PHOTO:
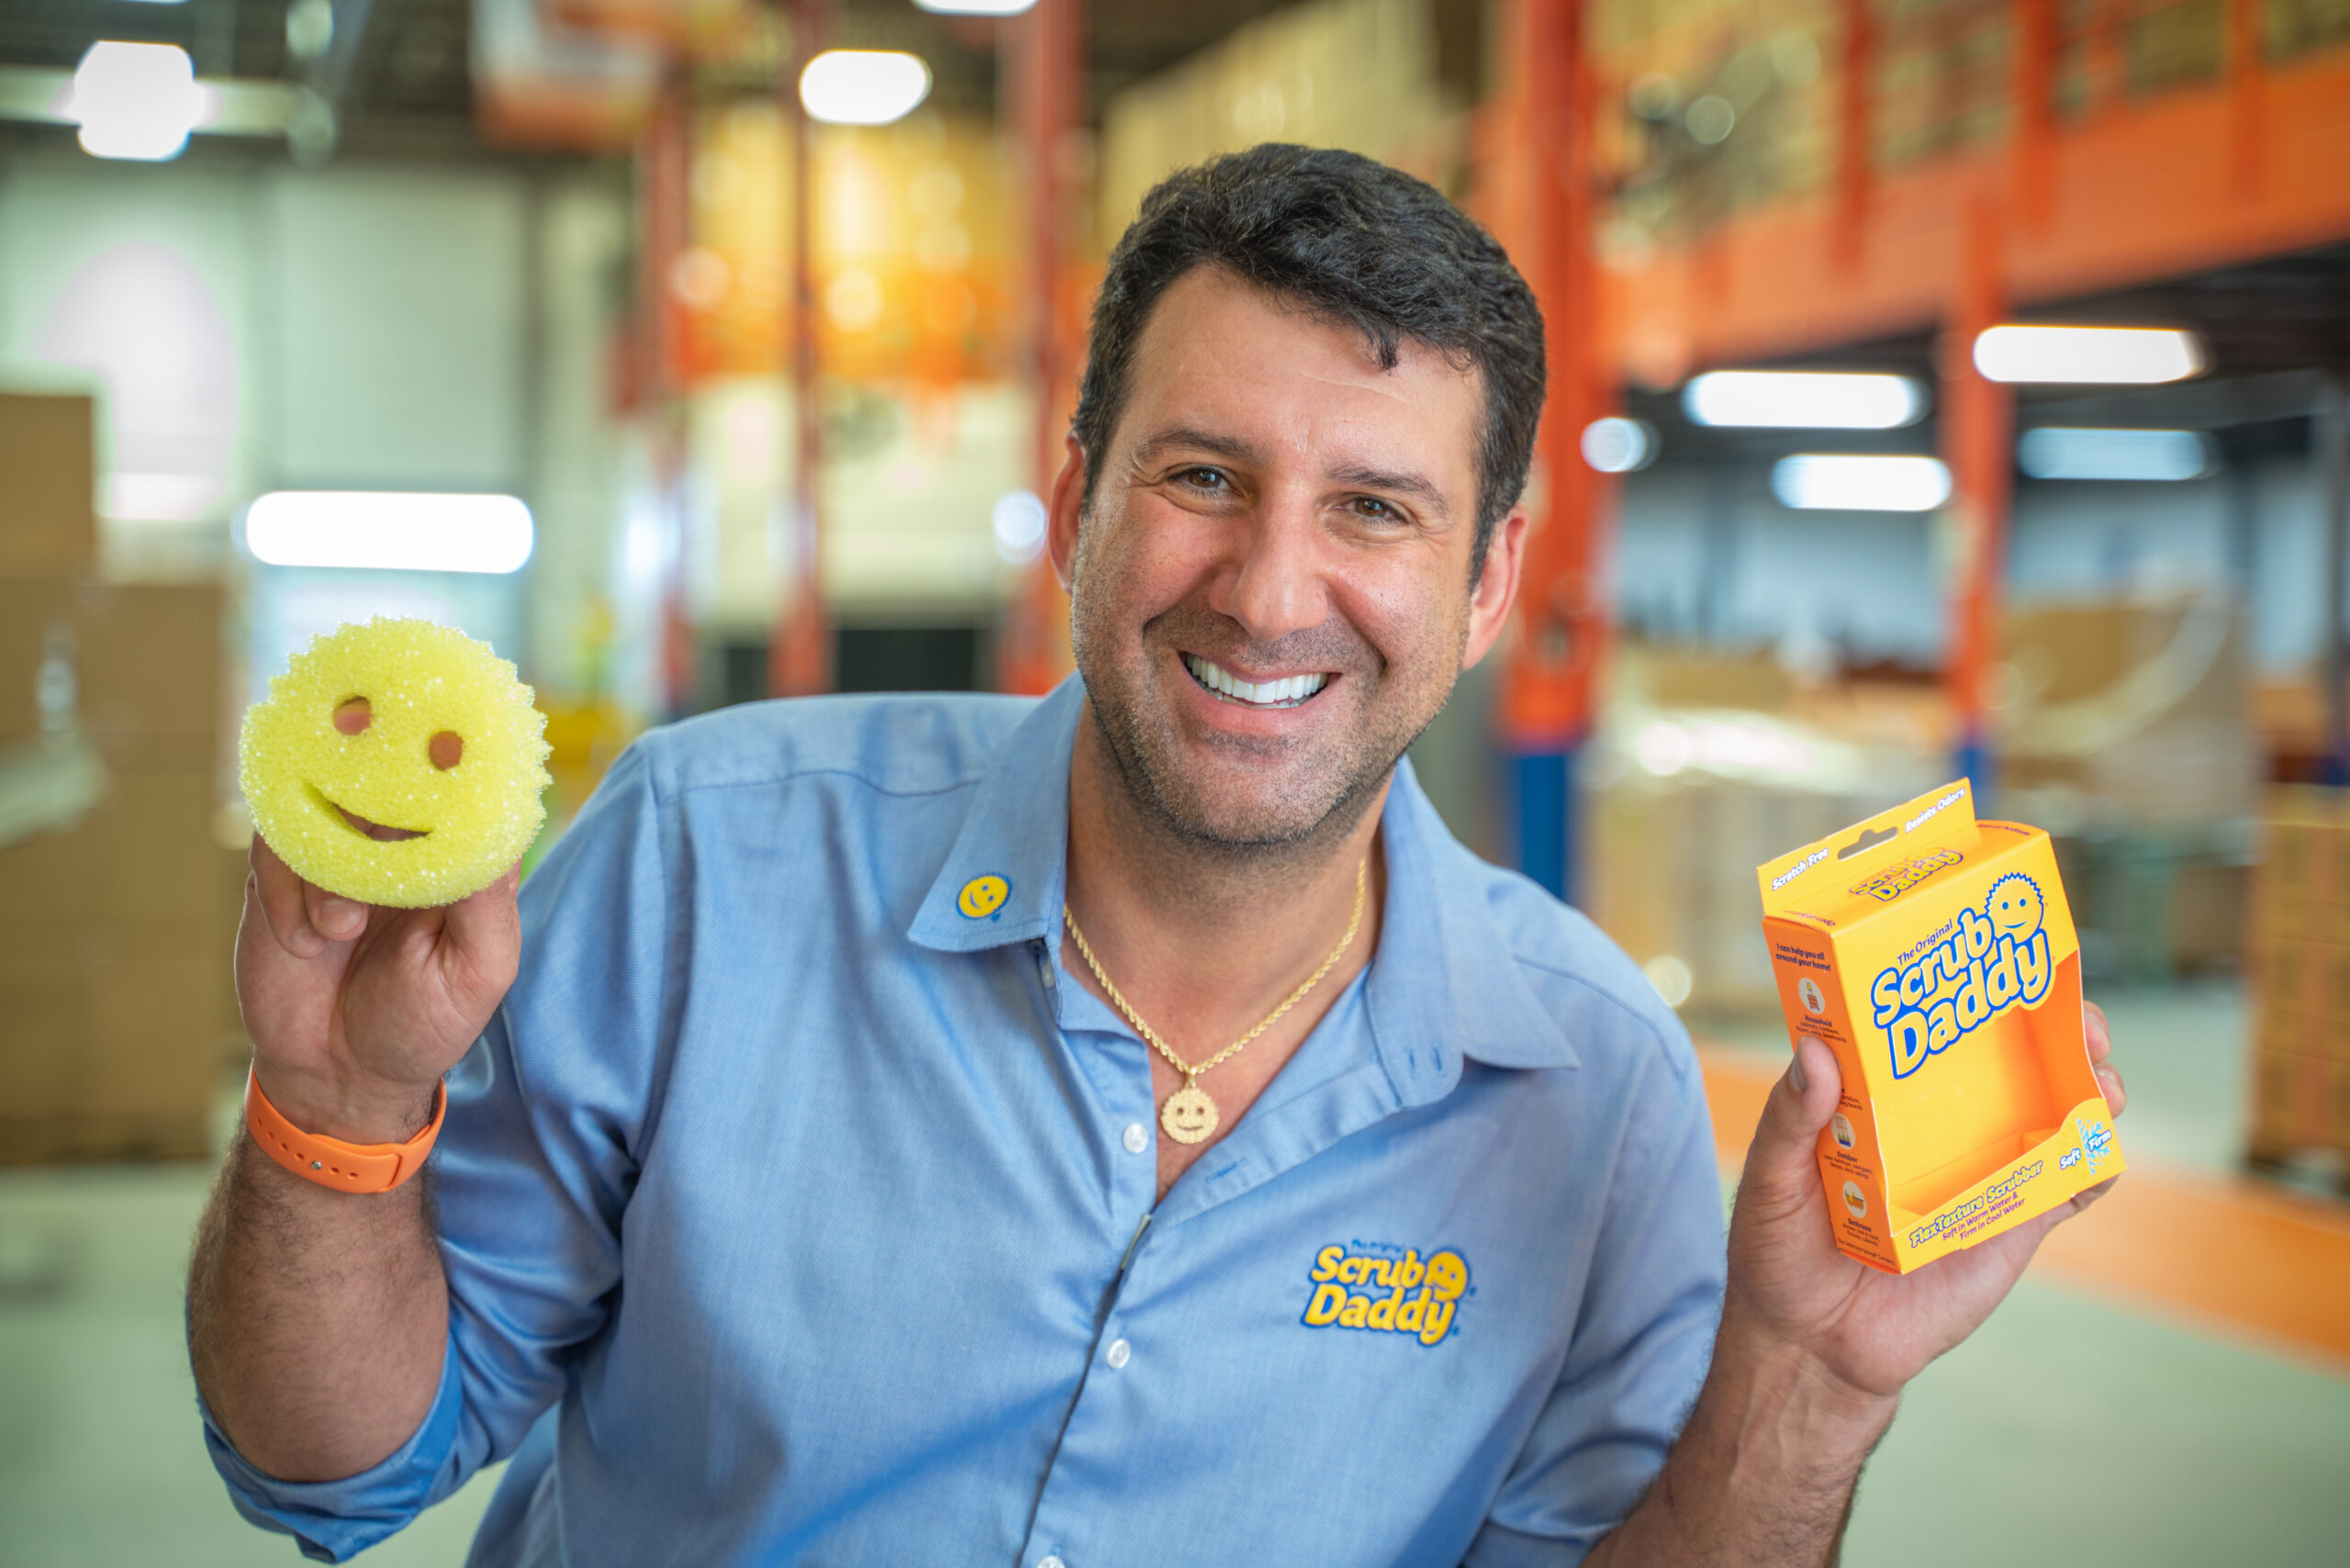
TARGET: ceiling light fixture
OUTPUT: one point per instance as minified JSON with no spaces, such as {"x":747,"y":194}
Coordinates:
{"x":137,"y":101}
{"x":975,"y":7}
{"x":389,"y":530}
{"x":1848,"y":482}
{"x":1019,"y":520}
{"x":1617,"y":445}
{"x":2060,"y":452}
{"x":1804,"y":400}
{"x":2120,"y":356}
{"x":863,"y":86}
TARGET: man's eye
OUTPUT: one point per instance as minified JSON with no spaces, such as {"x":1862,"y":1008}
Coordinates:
{"x":1203,"y":478}
{"x":1372,"y":506}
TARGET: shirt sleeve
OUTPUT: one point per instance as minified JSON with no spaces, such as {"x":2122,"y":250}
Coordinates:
{"x":1643,"y":1341}
{"x":532,"y":1175}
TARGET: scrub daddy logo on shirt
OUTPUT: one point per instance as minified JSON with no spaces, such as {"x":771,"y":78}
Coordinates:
{"x":1387,"y":1295}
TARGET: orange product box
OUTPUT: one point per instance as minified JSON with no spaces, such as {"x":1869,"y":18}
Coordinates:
{"x":1936,"y":957}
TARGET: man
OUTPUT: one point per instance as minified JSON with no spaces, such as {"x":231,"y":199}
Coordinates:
{"x":1120,"y":1129}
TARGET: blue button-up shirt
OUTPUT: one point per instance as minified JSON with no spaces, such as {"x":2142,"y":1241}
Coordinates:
{"x":819,"y":1201}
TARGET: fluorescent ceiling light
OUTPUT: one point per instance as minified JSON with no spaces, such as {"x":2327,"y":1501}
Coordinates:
{"x":1614,"y":446}
{"x":1836,"y":400}
{"x":2057,"y":451}
{"x":1019,"y":522}
{"x":135,"y":100}
{"x":863,"y":86}
{"x":389,"y":530}
{"x":976,"y":7}
{"x":1843,"y":482}
{"x":2133,"y":356}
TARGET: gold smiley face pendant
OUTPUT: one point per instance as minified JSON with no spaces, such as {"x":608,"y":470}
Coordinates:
{"x":397,"y":763}
{"x":1189,"y":1116}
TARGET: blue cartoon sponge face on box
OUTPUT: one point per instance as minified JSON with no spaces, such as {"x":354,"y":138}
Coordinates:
{"x":397,"y":763}
{"x":2016,"y":907}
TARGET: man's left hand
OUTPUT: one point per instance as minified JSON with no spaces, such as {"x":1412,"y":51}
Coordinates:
{"x":1789,"y":1285}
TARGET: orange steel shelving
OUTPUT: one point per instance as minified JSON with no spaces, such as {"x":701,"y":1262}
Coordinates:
{"x":2114,"y":191}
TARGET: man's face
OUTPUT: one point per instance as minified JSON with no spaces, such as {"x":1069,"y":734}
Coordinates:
{"x":1272,"y":590}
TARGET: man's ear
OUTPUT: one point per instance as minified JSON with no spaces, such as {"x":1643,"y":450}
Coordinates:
{"x":1062,"y":518}
{"x":1496,"y":587}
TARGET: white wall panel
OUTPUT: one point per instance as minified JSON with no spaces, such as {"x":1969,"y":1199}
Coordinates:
{"x":401,"y":329}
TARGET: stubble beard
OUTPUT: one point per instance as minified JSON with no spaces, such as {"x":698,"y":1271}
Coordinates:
{"x":1321,"y":801}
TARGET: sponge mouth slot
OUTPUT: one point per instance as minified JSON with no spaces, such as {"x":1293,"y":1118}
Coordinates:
{"x":381,"y":833}
{"x":1997,"y":1094}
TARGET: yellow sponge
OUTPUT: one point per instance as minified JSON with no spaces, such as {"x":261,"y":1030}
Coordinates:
{"x":396,"y":763}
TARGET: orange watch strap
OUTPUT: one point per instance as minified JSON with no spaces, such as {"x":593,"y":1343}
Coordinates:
{"x":330,"y":1161}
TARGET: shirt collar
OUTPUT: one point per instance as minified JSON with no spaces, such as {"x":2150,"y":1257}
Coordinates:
{"x":1017,"y":834}
{"x":1445,"y":983}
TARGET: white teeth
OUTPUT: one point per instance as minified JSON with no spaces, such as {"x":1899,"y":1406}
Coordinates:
{"x":1286,"y":692}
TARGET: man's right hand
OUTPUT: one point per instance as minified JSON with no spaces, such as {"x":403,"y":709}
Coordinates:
{"x":357,"y":1010}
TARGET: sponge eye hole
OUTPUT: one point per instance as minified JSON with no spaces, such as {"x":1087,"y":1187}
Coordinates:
{"x":447,"y":748}
{"x":353,"y":715}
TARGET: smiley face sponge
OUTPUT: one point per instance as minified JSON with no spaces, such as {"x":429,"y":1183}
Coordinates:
{"x":396,"y":763}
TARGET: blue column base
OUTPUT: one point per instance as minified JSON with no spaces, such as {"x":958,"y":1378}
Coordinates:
{"x":1545,"y":813}
{"x":1974,"y":763}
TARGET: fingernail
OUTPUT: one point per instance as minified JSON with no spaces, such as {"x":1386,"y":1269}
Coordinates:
{"x":1794,"y":1073}
{"x":340,"y":914}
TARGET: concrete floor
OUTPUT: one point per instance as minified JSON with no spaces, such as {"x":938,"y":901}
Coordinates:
{"x":2073,"y":1428}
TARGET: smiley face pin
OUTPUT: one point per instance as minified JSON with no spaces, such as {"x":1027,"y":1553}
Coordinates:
{"x":982,"y":896}
{"x":399,"y":763}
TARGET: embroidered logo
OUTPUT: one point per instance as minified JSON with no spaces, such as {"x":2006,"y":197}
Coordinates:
{"x":1375,"y":1290}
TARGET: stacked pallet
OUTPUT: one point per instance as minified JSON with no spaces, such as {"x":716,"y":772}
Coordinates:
{"x":118,"y":903}
{"x":2301,"y":967}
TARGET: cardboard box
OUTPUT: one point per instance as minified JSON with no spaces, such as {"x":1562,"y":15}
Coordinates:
{"x":2289,"y":1103}
{"x":109,"y":1058}
{"x":2301,"y":843}
{"x":47,"y":486}
{"x":146,"y":853}
{"x":37,"y":615}
{"x":1936,"y":957}
{"x":148,"y":682}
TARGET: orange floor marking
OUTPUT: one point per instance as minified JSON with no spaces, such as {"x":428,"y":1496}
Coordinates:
{"x":2232,"y":1252}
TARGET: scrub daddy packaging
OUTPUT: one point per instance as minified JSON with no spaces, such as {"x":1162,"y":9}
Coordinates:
{"x":1935,"y":956}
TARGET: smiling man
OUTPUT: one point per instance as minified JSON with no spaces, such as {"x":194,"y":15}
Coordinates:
{"x":1122,"y":1129}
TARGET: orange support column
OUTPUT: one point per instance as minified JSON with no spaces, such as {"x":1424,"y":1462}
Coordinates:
{"x":800,"y":661}
{"x":1855,"y":127}
{"x":1044,"y":63}
{"x":1548,"y":702}
{"x":2035,"y":95}
{"x":1978,"y":441}
{"x":2248,"y":77}
{"x":664,"y":160}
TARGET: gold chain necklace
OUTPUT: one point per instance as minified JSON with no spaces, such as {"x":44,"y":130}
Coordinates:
{"x":1189,"y":1116}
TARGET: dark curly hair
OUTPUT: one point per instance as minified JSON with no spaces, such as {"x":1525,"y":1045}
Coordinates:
{"x":1348,"y":239}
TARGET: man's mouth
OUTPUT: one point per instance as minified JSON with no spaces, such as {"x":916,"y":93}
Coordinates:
{"x":1287,"y":692}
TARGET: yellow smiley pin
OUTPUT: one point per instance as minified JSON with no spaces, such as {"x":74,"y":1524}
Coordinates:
{"x":982,"y":896}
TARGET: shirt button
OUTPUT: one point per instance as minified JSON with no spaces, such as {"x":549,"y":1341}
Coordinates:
{"x":1119,"y":1352}
{"x":1137,"y":1139}
{"x":1050,"y":1562}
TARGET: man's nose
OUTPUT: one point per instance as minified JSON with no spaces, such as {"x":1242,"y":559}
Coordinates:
{"x":1273,"y":583}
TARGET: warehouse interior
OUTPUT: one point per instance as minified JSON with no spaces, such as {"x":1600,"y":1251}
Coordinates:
{"x":739,"y":375}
